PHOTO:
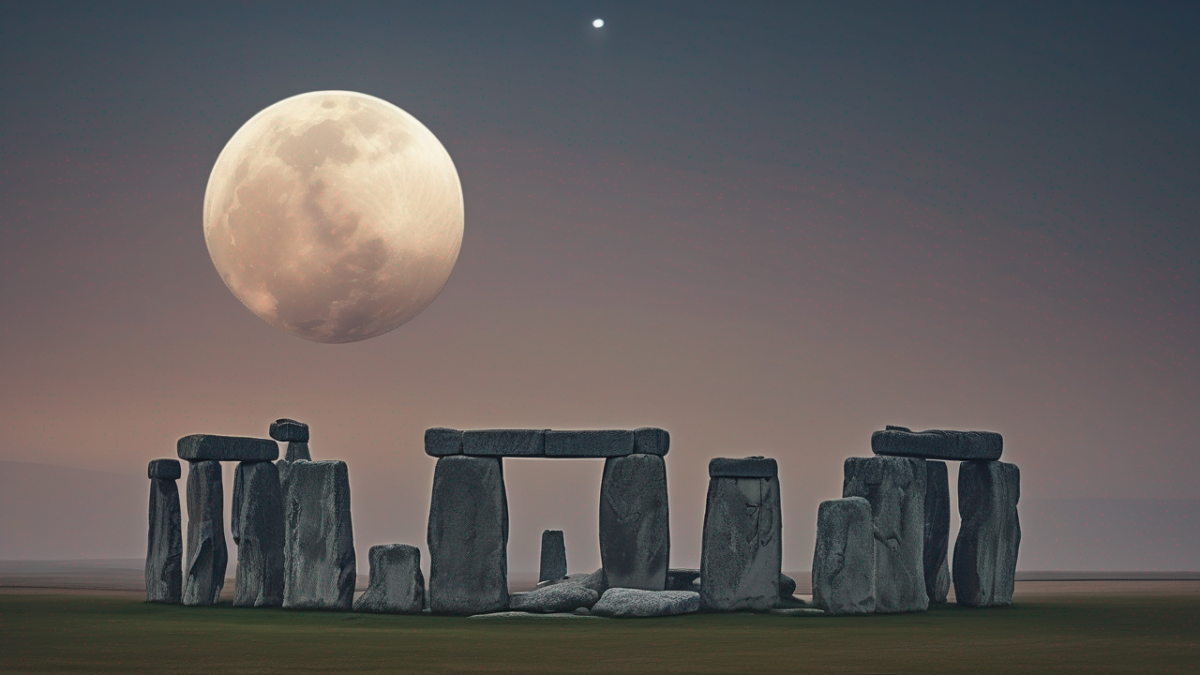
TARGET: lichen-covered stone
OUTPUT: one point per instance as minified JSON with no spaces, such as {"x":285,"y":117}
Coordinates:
{"x":594,"y":581}
{"x":164,"y":548}
{"x":207,"y":447}
{"x":742,"y":548}
{"x":397,"y":585}
{"x":632,"y":602}
{"x":284,"y":429}
{"x":258,"y":528}
{"x":938,"y":444}
{"x":468,"y":536}
{"x":843,"y":569}
{"x":319,"y":558}
{"x":985,"y":553}
{"x":554,"y":598}
{"x":554,"y":556}
{"x":937,"y":525}
{"x":207,"y":558}
{"x":635,"y":535}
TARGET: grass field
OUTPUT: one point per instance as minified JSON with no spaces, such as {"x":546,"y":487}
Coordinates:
{"x":1051,"y":634}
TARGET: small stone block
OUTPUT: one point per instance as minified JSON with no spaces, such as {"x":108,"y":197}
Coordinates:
{"x":440,"y":442}
{"x":938,"y":444}
{"x":289,"y":430}
{"x":749,"y":467}
{"x":651,"y":441}
{"x":164,"y":468}
{"x":505,"y":443}
{"x":607,"y":443}
{"x":205,"y":447}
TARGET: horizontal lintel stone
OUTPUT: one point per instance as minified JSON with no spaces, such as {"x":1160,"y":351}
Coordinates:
{"x":938,"y":444}
{"x":651,"y":441}
{"x":440,"y":442}
{"x":285,"y":429}
{"x":605,"y":443}
{"x":505,"y":443}
{"x":205,"y":447}
{"x":747,"y":467}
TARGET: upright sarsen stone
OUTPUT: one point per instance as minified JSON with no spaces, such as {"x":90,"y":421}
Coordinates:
{"x":397,"y":585}
{"x":985,"y":553}
{"x":468,"y":536}
{"x":204,"y":573}
{"x":554,"y":556}
{"x":742,"y":547}
{"x":895,"y":487}
{"x":164,"y":548}
{"x":635,"y":532}
{"x":843,"y":569}
{"x":319,"y":557}
{"x":937,"y":526}
{"x":258,"y":530}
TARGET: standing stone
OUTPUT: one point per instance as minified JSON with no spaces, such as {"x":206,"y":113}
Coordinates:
{"x":468,"y":536}
{"x":554,"y":556}
{"x":297,"y":450}
{"x":895,"y":487}
{"x":319,"y":557}
{"x":397,"y":585}
{"x":843,"y":569}
{"x":742,"y":549}
{"x":937,"y":526}
{"x":258,"y":530}
{"x":635,"y":532}
{"x":204,"y":574}
{"x":985,"y":554}
{"x":164,"y":549}
{"x":941,"y":584}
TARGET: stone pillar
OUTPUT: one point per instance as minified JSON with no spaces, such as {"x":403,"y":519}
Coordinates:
{"x":207,"y":558}
{"x":742,"y":548}
{"x":985,"y":553}
{"x":937,"y":529}
{"x":319,"y":557}
{"x":895,"y":487}
{"x":554,"y":556}
{"x":164,"y":549}
{"x":258,"y":530}
{"x":635,"y":531}
{"x":397,"y":585}
{"x":468,"y":536}
{"x":843,"y":569}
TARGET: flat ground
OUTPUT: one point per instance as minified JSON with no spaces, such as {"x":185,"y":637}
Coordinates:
{"x":1093,"y":627}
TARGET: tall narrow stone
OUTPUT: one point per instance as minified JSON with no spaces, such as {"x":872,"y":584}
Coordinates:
{"x":635,"y":533}
{"x":937,"y":526}
{"x":204,"y":574}
{"x":258,"y":530}
{"x":468,"y":536}
{"x":985,"y":553}
{"x":895,"y":487}
{"x":843,"y":569}
{"x":164,"y":549}
{"x":554,"y":556}
{"x":319,"y":557}
{"x":742,"y":547}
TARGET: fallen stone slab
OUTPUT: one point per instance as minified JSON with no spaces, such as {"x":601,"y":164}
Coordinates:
{"x":843,"y":569}
{"x":681,"y":579}
{"x":747,"y":467}
{"x":554,"y":556}
{"x":298,"y":450}
{"x":635,"y":535}
{"x":468,"y":536}
{"x":206,"y":447}
{"x":594,"y":581}
{"x":164,"y":546}
{"x":937,"y":525}
{"x":167,"y":469}
{"x":651,"y":441}
{"x":258,"y":529}
{"x":787,"y":587}
{"x":989,"y":536}
{"x":742,"y":546}
{"x":285,"y":429}
{"x":602,"y":443}
{"x":441,"y":442}
{"x":505,"y":443}
{"x":532,"y":615}
{"x":207,"y":557}
{"x":555,"y":598}
{"x":798,"y":611}
{"x":938,"y":444}
{"x":319,"y":555}
{"x":895,"y":487}
{"x":397,"y":585}
{"x":632,"y":602}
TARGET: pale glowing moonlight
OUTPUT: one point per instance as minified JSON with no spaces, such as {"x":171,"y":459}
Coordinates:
{"x":334,"y":216}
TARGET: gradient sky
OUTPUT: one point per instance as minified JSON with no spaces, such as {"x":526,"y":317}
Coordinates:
{"x":770,"y":229}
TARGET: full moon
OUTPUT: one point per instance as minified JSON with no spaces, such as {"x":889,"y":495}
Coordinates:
{"x":334,"y":216}
{"x":598,"y":23}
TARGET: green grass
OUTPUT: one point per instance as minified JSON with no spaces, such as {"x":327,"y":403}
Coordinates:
{"x":1092,"y":634}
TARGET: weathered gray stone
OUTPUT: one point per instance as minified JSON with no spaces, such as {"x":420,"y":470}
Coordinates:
{"x":297,"y":450}
{"x":787,"y":587}
{"x":798,"y":611}
{"x":284,"y":429}
{"x":531,"y":615}
{"x":742,"y":549}
{"x":985,"y":554}
{"x":319,"y":545}
{"x":164,"y":546}
{"x":938,"y":444}
{"x":554,"y":556}
{"x":206,"y":447}
{"x":258,"y":530}
{"x":554,"y":598}
{"x":604,"y":443}
{"x":843,"y":569}
{"x":937,"y":525}
{"x":635,"y":534}
{"x":681,"y":579}
{"x":895,"y":487}
{"x":440,"y":442}
{"x":167,"y":469}
{"x":505,"y":443}
{"x":468,"y":536}
{"x":397,"y":585}
{"x":632,"y":602}
{"x":594,"y":581}
{"x":651,"y":441}
{"x":941,"y":584}
{"x":747,"y":467}
{"x":207,"y":558}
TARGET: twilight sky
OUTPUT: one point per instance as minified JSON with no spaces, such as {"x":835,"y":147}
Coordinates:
{"x":770,"y":229}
